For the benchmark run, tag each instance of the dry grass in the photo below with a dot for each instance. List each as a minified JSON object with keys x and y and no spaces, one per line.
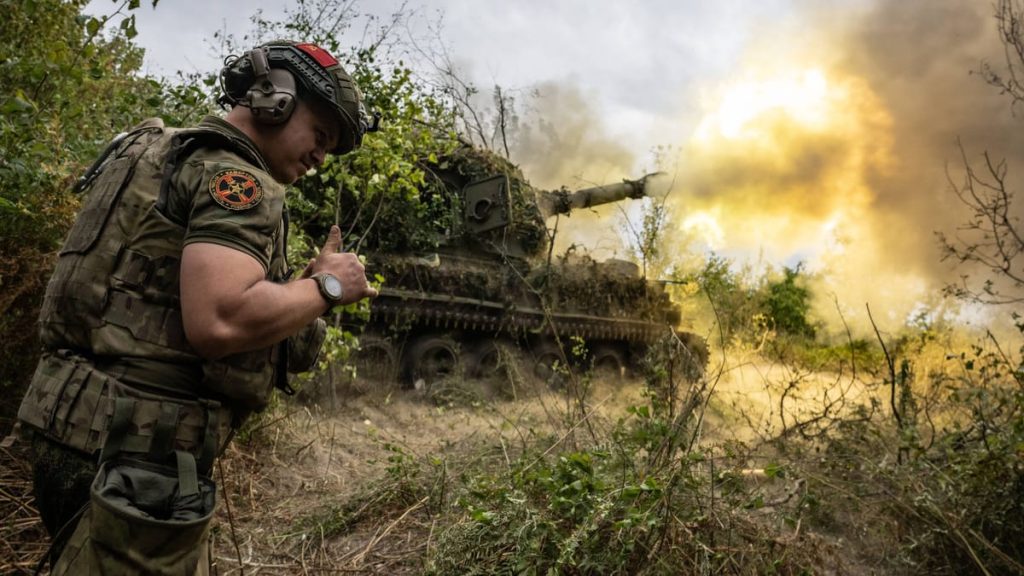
{"x":23,"y":539}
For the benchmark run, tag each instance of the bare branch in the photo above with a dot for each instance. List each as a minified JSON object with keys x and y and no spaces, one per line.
{"x":990,"y":238}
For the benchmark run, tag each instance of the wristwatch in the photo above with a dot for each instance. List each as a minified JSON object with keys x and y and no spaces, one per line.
{"x":330,"y":287}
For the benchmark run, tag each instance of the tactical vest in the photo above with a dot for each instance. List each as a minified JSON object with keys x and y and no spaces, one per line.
{"x":114,"y":296}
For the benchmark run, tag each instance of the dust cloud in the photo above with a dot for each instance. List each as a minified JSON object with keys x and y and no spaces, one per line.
{"x":831,"y":145}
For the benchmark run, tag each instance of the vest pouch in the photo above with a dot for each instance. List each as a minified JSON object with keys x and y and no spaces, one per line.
{"x":304,"y":347}
{"x":143,"y":518}
{"x":100,"y":203}
{"x":53,"y":377}
{"x":65,"y":400}
{"x":246,"y":378}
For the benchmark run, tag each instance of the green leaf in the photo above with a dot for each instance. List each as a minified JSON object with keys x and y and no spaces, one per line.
{"x":133,"y":4}
{"x":92,"y":26}
{"x":20,"y":103}
{"x":774,"y":471}
{"x":128,"y":26}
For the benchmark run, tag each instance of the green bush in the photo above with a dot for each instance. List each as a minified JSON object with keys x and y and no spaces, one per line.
{"x":967,"y":489}
{"x":66,"y":88}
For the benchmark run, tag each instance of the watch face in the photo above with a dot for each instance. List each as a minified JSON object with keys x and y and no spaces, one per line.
{"x":332,"y":286}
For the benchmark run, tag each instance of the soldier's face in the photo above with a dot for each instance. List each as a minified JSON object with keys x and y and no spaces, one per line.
{"x":300,"y":143}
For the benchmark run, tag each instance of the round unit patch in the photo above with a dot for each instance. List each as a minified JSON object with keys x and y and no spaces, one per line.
{"x":236,"y":189}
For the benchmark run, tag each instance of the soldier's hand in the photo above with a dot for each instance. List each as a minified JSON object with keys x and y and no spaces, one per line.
{"x":345,"y":266}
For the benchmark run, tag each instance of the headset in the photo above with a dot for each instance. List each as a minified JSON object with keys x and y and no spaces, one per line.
{"x":249,"y":81}
{"x":271,"y":91}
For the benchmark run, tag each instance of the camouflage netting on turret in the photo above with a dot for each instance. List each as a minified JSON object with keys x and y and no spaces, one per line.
{"x":469,"y":164}
{"x":614,"y":288}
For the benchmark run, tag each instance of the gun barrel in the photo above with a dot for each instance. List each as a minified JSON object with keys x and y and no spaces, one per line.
{"x":564,"y":201}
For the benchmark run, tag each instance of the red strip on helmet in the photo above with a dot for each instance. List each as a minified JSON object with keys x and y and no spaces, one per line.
{"x":323,"y":57}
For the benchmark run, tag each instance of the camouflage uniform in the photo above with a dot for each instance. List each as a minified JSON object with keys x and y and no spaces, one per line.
{"x":111,"y":318}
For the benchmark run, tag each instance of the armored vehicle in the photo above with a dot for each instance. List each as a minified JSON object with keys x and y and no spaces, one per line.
{"x":489,"y":280}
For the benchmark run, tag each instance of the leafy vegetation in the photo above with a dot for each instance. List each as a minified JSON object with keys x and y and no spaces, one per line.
{"x":642,"y":498}
{"x":70,"y":82}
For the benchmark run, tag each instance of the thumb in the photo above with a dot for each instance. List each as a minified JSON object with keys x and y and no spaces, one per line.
{"x":333,"y":243}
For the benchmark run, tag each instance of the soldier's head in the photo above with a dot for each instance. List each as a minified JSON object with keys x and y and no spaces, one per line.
{"x":280,"y":90}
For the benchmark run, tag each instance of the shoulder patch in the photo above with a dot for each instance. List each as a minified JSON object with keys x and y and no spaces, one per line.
{"x":236,"y":189}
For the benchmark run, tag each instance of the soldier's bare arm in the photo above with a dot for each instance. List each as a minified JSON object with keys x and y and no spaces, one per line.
{"x":228,"y":306}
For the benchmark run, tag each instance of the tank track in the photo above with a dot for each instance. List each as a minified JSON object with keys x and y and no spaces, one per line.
{"x":421,"y":310}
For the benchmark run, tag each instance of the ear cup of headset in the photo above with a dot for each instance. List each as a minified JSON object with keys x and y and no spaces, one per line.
{"x":272,"y":98}
{"x":269,"y":93}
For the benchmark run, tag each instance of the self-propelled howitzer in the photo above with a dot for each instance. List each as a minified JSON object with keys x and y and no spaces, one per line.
{"x":492,"y":282}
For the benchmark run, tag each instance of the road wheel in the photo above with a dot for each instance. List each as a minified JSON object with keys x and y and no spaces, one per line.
{"x":376,"y":360}
{"x":484,"y":359}
{"x":431,"y":359}
{"x":549,"y":364}
{"x":608,"y":361}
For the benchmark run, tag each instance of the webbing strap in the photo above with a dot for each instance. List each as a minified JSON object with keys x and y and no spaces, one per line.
{"x":188,"y":483}
{"x":209,"y":449}
{"x":90,"y":175}
{"x":165,"y":431}
{"x":281,"y":370}
{"x":124,"y":408}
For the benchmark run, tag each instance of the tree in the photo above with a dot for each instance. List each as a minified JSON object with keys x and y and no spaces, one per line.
{"x":991,"y":237}
{"x":1010,"y":24}
{"x":737,"y":299}
{"x":788,"y":304}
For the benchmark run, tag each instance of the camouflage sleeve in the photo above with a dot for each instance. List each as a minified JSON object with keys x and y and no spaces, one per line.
{"x":233,"y":205}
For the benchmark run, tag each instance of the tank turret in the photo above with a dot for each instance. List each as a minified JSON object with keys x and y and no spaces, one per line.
{"x":487,"y":280}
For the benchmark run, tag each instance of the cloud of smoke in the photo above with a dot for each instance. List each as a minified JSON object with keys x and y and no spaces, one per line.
{"x":829,"y":147}
{"x":831,"y":144}
{"x":565,"y":144}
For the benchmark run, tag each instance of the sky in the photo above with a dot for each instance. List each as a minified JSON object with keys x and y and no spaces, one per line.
{"x":823,"y":133}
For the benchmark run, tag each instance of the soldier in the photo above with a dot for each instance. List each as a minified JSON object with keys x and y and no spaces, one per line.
{"x":171,"y":315}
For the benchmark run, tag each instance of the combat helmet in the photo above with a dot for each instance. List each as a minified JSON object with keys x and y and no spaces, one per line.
{"x":264,"y":80}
